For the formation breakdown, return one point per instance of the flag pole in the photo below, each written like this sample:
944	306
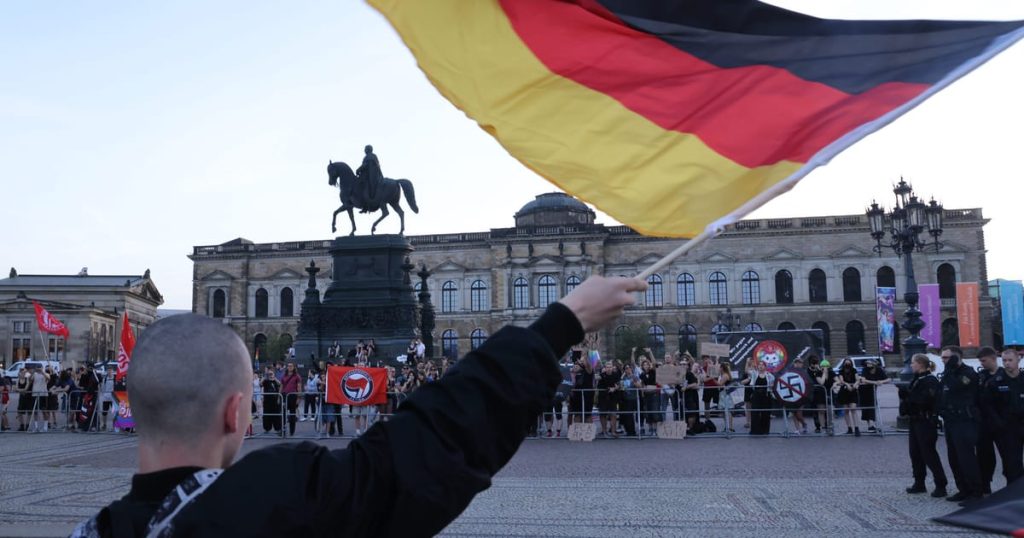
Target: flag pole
43	341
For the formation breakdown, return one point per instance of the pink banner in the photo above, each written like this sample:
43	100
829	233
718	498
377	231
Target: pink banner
931	314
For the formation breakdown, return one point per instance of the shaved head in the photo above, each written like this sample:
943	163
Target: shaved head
182	371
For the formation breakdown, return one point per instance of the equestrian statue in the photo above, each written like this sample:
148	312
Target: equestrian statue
368	190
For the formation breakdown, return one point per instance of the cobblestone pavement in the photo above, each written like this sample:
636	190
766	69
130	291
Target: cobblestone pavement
807	486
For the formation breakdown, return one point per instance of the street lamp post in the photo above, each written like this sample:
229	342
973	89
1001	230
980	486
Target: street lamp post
908	221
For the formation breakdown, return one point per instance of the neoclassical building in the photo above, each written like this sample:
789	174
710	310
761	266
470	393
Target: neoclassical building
89	305
809	272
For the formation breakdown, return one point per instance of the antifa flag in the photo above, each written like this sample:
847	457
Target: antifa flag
48	323
357	386
124	350
677	116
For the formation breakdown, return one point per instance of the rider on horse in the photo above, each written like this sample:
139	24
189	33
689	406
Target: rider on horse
370	173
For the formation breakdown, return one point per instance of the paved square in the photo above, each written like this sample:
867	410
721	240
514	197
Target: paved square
804	486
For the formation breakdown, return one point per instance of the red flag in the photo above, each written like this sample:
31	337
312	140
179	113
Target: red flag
124	351
357	386
48	323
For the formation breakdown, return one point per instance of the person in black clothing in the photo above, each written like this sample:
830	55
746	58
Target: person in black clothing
582	399
1004	405
652	411
691	394
845	389
822	379
409	476
986	428
760	383
921	404
958	407
871	378
609	396
271	402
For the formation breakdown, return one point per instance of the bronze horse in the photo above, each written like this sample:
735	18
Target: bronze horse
352	192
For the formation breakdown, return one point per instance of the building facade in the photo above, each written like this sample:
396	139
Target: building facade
810	272
89	305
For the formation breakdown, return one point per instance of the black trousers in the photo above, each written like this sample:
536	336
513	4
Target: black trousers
1010	442
986	455
627	413
961	450
923	435
293	407
309	407
271	418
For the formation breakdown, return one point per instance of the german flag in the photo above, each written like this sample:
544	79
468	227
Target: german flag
676	115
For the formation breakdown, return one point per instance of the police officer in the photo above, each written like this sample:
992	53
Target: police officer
958	407
921	401
986	431
1004	398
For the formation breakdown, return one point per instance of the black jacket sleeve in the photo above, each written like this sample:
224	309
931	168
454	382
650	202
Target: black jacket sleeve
411	475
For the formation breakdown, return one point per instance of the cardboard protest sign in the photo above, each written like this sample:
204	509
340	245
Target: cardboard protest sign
673	429
582	431
669	374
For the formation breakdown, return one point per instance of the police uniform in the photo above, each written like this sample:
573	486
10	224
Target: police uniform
986	432
921	402
409	476
959	410
1004	397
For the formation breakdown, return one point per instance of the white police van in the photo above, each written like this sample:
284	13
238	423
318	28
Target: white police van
15	369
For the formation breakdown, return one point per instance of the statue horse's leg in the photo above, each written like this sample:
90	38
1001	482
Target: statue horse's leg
334	221
352	219
401	216
383	215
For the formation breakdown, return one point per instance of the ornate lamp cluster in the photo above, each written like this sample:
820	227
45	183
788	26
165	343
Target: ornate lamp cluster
908	220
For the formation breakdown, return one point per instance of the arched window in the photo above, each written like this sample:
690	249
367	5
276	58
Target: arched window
449	293
783	287
950	332
571	283
259	344
751	288
654	297
478	296
885	277
817	286
851	285
262	302
855	338
450	344
688	339
656	340
946	275
718	288
754	328
787	326
719	328
219	304
520	294
477	338
287	303
547	291
826	336
685	290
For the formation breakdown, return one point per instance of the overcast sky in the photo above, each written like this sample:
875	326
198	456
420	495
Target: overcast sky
132	131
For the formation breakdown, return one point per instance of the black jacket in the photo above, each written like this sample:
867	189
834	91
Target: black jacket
409	476
959	400
922	397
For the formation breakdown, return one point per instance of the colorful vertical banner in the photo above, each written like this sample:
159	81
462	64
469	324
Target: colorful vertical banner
968	313
885	300
1011	296
124	419
931	314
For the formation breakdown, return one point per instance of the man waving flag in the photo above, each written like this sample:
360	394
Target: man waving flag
676	115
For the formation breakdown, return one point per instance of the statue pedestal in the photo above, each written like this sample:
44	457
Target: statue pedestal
370	297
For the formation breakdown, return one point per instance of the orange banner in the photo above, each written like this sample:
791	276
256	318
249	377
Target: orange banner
968	313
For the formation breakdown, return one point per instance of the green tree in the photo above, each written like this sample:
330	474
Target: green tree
626	338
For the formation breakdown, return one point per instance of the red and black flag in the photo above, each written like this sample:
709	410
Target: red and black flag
671	115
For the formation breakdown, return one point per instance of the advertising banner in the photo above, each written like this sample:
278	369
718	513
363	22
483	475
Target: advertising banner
776	349
1011	296
885	300
931	314
967	313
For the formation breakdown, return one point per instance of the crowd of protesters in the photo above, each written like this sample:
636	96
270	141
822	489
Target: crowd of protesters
45	396
630	400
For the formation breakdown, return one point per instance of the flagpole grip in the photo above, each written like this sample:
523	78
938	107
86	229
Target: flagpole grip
679	251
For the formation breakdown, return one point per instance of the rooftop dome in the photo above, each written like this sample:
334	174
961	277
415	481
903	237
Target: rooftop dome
554	209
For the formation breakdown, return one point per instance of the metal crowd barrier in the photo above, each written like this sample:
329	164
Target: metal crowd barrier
637	412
